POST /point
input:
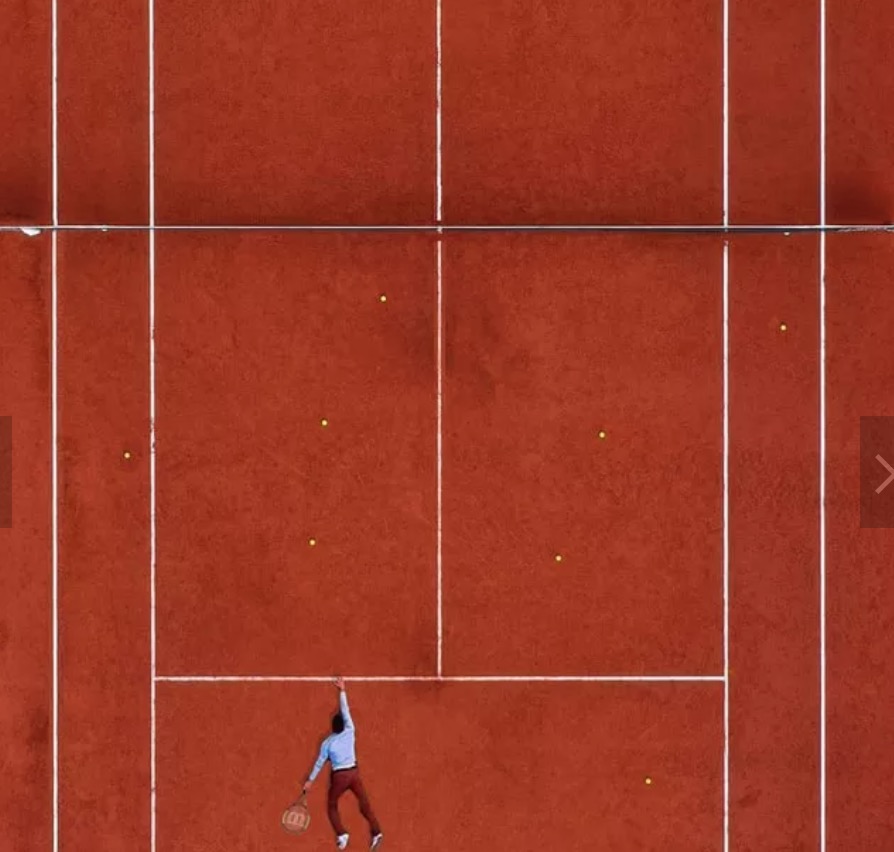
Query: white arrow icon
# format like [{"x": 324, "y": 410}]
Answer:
[{"x": 890, "y": 478}]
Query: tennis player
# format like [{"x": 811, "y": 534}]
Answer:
[{"x": 338, "y": 749}]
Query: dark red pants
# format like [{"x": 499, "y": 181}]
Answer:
[{"x": 339, "y": 783}]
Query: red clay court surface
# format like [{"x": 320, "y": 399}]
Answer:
[{"x": 586, "y": 510}]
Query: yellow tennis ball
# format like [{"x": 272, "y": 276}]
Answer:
[
  {"x": 383, "y": 298},
  {"x": 324, "y": 422},
  {"x": 783, "y": 326},
  {"x": 558, "y": 557},
  {"x": 648, "y": 781},
  {"x": 312, "y": 542},
  {"x": 602, "y": 435},
  {"x": 126, "y": 455}
]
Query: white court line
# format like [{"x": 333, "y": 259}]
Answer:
[
  {"x": 507, "y": 228},
  {"x": 822, "y": 538},
  {"x": 437, "y": 679},
  {"x": 726, "y": 551},
  {"x": 153, "y": 555},
  {"x": 152, "y": 542},
  {"x": 439, "y": 212},
  {"x": 54, "y": 322},
  {"x": 822, "y": 114},
  {"x": 440, "y": 454},
  {"x": 822, "y": 427},
  {"x": 54, "y": 97},
  {"x": 726, "y": 112},
  {"x": 439, "y": 190},
  {"x": 54, "y": 381},
  {"x": 725, "y": 509}
]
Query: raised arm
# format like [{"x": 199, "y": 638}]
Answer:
[{"x": 343, "y": 706}]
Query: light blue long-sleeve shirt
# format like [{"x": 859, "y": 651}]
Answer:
[{"x": 338, "y": 748}]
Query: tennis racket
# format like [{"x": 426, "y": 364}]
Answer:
[{"x": 296, "y": 818}]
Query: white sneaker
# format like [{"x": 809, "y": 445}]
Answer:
[
  {"x": 342, "y": 841},
  {"x": 376, "y": 842}
]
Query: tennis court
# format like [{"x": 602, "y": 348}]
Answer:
[{"x": 527, "y": 364}]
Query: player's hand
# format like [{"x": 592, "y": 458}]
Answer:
[{"x": 339, "y": 683}]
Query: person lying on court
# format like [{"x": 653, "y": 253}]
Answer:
[{"x": 339, "y": 749}]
